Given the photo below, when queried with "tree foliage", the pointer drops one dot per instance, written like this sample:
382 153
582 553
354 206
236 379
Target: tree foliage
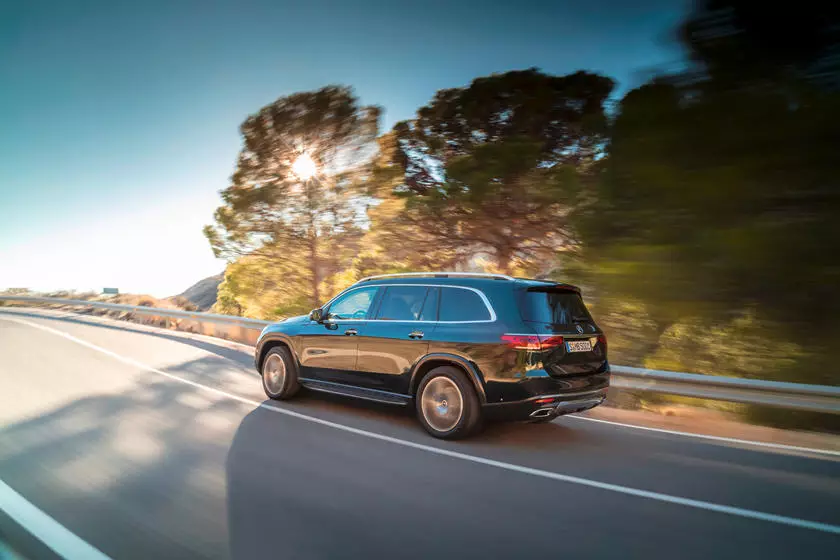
265 287
392 242
493 168
722 198
268 208
756 44
718 200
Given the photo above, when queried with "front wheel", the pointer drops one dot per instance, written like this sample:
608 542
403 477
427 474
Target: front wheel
447 405
279 374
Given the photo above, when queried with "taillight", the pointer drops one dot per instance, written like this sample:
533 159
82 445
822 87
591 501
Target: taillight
551 342
532 341
522 341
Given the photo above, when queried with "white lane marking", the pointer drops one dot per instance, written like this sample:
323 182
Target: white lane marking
699 504
45 528
247 347
713 438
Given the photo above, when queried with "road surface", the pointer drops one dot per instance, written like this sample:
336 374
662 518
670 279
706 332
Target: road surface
140 443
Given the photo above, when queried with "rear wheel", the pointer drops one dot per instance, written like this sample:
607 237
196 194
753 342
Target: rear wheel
279 374
447 405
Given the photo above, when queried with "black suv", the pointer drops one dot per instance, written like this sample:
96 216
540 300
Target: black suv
459 347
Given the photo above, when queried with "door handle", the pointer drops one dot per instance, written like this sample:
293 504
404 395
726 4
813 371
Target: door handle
351 332
415 334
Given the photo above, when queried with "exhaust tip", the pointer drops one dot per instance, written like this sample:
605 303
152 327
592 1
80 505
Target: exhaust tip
542 413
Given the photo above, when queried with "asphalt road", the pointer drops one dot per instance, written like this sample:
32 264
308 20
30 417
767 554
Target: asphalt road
153 444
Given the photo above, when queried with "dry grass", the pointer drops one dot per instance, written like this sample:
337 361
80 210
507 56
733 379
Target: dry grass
140 300
226 332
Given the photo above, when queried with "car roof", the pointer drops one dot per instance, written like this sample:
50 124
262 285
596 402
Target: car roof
462 279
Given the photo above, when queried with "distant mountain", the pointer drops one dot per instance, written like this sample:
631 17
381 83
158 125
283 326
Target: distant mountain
202 294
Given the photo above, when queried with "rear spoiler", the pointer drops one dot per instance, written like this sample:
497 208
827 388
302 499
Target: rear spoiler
557 287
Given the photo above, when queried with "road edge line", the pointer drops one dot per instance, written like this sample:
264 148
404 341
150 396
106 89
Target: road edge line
626 490
247 347
53 534
710 437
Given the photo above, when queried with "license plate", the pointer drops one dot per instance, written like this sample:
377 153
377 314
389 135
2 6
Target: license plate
578 346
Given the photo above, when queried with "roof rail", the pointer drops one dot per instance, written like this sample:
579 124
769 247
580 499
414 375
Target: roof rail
440 275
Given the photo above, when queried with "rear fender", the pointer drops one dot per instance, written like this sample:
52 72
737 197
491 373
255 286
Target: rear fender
452 359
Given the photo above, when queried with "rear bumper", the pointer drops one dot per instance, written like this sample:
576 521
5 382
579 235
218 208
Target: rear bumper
550 404
562 407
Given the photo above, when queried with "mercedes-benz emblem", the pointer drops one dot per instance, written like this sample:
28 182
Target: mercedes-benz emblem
579 328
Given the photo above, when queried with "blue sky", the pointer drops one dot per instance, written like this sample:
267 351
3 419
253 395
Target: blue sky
119 120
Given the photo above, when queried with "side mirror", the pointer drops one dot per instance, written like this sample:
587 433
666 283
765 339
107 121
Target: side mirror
316 315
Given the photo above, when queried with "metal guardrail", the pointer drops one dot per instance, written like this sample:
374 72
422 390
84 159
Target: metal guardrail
147 311
798 396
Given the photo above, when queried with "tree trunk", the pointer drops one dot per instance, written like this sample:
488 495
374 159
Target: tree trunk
503 257
314 267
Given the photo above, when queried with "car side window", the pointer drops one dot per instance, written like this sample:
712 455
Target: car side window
457 304
353 305
402 303
430 308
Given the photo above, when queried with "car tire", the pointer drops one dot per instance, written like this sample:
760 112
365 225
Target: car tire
447 405
279 374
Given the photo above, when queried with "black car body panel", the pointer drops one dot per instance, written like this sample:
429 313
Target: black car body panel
404 326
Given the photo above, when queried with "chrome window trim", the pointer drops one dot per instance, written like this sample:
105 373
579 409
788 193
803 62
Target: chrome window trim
483 297
440 275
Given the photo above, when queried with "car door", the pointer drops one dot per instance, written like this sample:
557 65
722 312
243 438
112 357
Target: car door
467 327
395 339
329 348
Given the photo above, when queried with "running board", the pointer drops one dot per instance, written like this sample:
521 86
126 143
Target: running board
356 392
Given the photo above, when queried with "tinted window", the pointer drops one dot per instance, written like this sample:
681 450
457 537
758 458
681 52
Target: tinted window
430 308
457 304
557 308
402 303
353 305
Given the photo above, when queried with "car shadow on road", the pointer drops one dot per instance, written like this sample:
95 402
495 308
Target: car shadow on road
525 435
136 472
305 491
512 434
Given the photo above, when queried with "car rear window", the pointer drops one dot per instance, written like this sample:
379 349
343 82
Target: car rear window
556 307
458 304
